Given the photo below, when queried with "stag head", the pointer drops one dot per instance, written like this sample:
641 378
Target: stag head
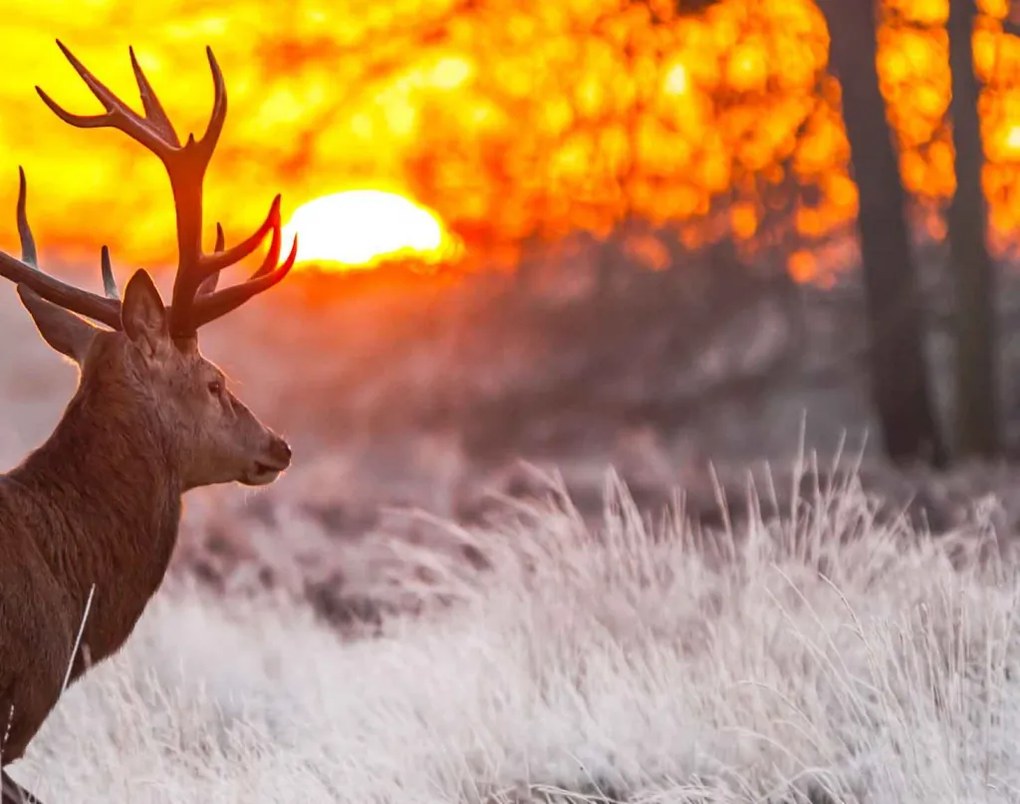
148 360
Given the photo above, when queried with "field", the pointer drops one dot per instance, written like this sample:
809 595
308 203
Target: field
646 373
818 656
406 617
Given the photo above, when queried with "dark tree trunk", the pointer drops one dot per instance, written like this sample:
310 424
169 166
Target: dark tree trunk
973 273
899 377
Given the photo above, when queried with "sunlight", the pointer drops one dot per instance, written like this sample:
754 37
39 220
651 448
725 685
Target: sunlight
508 126
1013 138
363 227
678 80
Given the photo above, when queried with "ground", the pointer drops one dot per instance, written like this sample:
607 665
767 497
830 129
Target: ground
818 656
609 612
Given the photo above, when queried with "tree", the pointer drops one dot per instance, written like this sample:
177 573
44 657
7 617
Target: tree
900 387
971 266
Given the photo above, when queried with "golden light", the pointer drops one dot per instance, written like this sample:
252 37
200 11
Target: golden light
1013 138
677 81
506 124
365 227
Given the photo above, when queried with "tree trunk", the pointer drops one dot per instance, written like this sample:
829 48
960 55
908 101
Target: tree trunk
971 266
899 376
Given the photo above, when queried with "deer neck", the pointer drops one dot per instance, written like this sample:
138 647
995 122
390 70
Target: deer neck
106 486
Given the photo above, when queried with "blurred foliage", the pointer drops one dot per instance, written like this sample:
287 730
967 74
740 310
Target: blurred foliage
511 122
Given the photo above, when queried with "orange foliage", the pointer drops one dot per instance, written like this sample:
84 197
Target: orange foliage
512 122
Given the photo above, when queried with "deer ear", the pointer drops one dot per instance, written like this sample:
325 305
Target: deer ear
144 316
60 328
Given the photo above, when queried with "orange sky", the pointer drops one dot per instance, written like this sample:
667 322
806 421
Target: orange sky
510 122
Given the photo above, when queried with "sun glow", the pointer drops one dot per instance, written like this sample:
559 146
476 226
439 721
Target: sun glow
512 125
365 227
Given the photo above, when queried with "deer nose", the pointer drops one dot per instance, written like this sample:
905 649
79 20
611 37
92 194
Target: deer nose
280 451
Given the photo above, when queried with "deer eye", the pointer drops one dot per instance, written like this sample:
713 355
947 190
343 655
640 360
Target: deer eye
216 387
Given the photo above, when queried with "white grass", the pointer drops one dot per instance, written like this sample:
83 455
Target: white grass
827 652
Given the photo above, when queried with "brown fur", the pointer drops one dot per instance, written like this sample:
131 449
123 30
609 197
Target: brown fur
98 504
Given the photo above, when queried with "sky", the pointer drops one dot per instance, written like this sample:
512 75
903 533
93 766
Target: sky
507 122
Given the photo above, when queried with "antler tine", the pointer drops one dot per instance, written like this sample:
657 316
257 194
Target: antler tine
28 253
154 112
109 281
197 273
203 280
212 264
106 311
211 307
210 282
224 258
273 255
118 114
188 284
219 110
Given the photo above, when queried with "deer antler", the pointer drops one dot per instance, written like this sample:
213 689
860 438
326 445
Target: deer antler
195 299
25 271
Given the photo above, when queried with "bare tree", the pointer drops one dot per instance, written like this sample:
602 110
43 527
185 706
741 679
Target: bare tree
89 520
900 387
977 421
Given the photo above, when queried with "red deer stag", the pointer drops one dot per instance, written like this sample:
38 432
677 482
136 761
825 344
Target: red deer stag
89 520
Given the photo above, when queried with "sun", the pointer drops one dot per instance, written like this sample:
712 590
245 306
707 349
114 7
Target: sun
359 228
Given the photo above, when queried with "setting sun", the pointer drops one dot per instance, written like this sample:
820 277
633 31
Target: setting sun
363 227
509 127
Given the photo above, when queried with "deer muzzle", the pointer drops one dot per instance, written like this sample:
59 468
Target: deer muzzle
275 458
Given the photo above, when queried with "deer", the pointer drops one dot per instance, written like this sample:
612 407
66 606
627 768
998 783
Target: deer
89 520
